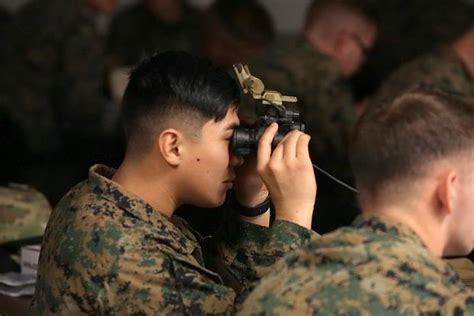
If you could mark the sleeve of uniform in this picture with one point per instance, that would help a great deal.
(260, 247)
(245, 260)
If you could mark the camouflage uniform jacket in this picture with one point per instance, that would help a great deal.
(375, 267)
(136, 32)
(442, 70)
(106, 251)
(328, 111)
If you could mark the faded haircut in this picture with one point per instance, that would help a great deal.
(174, 85)
(392, 142)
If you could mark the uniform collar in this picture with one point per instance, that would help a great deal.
(174, 232)
(383, 225)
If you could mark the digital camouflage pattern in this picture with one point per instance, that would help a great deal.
(136, 32)
(24, 213)
(465, 268)
(51, 79)
(441, 70)
(106, 251)
(328, 111)
(374, 267)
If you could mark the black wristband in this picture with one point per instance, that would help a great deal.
(250, 211)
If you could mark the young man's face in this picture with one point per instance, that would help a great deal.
(358, 42)
(209, 164)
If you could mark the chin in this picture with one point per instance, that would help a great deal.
(211, 203)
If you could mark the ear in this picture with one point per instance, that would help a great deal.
(342, 43)
(170, 145)
(446, 191)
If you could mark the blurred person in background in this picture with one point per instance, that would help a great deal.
(409, 30)
(334, 45)
(236, 31)
(51, 93)
(149, 26)
(449, 67)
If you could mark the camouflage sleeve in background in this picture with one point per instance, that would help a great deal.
(259, 248)
(441, 70)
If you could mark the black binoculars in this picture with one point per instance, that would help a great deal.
(245, 139)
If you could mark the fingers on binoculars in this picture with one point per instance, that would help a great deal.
(265, 145)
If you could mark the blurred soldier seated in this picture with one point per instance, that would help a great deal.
(336, 39)
(449, 68)
(413, 164)
(236, 31)
(152, 25)
(51, 93)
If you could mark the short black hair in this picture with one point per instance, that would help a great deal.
(393, 141)
(174, 84)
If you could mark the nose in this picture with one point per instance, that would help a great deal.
(236, 160)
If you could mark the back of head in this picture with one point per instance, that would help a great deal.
(174, 88)
(394, 144)
(237, 27)
(328, 11)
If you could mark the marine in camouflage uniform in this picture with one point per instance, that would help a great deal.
(107, 251)
(375, 267)
(51, 93)
(328, 111)
(136, 31)
(442, 70)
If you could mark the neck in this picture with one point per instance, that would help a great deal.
(464, 48)
(422, 223)
(147, 183)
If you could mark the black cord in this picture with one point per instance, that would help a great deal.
(330, 176)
